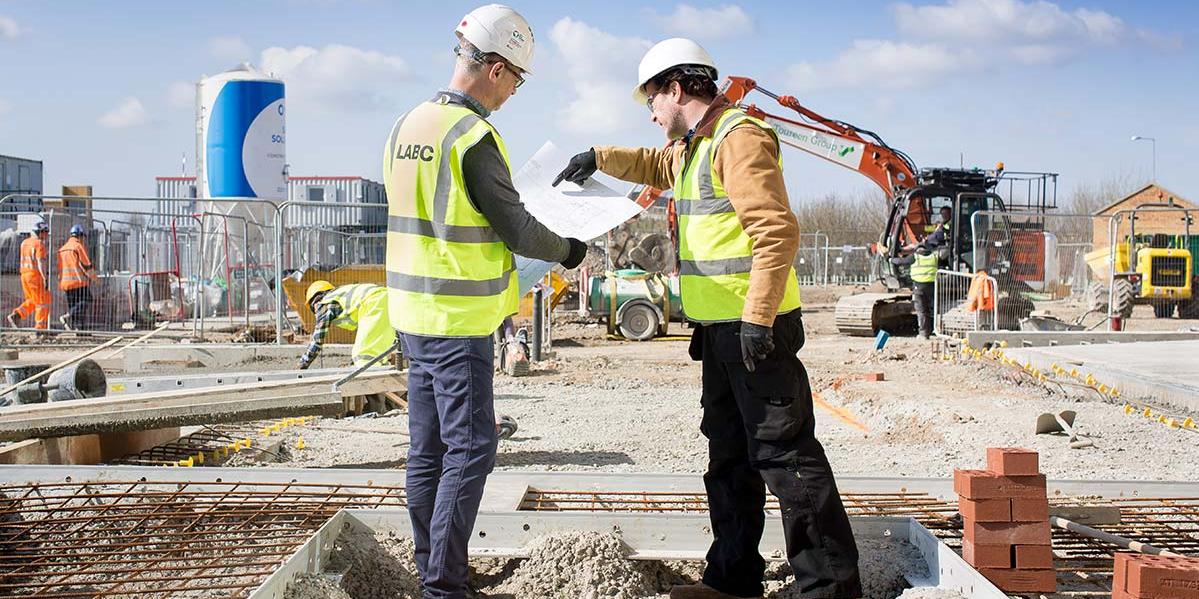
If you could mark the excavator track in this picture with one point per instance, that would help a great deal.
(865, 314)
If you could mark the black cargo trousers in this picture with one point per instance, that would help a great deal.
(761, 433)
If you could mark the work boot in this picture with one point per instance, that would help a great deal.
(14, 320)
(65, 319)
(700, 591)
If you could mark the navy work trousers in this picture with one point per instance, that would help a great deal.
(451, 420)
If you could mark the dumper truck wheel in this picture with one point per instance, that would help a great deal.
(638, 322)
(1163, 310)
(1097, 297)
(1122, 298)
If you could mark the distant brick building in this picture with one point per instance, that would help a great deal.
(1168, 221)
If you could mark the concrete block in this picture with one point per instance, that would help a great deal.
(985, 510)
(1034, 557)
(1032, 509)
(980, 484)
(1006, 533)
(1012, 461)
(988, 556)
(874, 377)
(1022, 581)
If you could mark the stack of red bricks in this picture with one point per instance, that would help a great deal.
(1139, 576)
(1005, 521)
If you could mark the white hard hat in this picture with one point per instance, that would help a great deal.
(666, 54)
(499, 29)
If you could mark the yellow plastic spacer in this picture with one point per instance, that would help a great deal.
(1103, 389)
(1074, 372)
(1162, 418)
(186, 463)
(300, 442)
(265, 431)
(1147, 413)
(1172, 423)
(1128, 409)
(200, 457)
(1115, 392)
(1188, 423)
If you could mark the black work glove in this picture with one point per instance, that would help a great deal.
(757, 342)
(304, 365)
(578, 251)
(580, 167)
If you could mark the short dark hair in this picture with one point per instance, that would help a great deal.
(473, 58)
(695, 80)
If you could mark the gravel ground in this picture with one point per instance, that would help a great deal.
(634, 407)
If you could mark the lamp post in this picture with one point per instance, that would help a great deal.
(1153, 141)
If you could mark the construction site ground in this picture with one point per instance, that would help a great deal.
(620, 406)
(606, 405)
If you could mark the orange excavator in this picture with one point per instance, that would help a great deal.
(913, 197)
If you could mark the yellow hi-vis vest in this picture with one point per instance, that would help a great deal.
(924, 269)
(715, 254)
(351, 299)
(448, 273)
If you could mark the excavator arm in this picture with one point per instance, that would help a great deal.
(836, 141)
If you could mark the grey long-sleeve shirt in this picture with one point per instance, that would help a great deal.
(489, 187)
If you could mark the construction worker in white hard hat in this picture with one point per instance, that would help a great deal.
(360, 307)
(454, 222)
(737, 242)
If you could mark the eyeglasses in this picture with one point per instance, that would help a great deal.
(519, 80)
(649, 101)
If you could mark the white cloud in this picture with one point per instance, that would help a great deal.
(1159, 41)
(336, 77)
(720, 22)
(1014, 21)
(882, 64)
(230, 49)
(602, 69)
(129, 113)
(8, 28)
(181, 94)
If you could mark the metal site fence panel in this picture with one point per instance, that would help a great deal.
(1040, 262)
(850, 265)
(811, 264)
(340, 242)
(200, 263)
(954, 314)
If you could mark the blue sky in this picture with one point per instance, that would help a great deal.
(101, 91)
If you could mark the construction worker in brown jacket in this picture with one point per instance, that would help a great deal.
(737, 241)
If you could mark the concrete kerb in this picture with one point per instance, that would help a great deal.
(1018, 339)
(1158, 371)
(213, 355)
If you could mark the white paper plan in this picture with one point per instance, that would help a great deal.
(569, 210)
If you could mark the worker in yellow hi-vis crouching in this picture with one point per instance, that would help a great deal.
(360, 307)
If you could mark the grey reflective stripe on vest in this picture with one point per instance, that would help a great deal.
(706, 205)
(437, 228)
(459, 233)
(713, 268)
(708, 202)
(438, 286)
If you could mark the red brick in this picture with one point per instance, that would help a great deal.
(980, 484)
(874, 377)
(1022, 581)
(1012, 461)
(1034, 557)
(1033, 509)
(1006, 533)
(1120, 571)
(1161, 577)
(985, 510)
(988, 556)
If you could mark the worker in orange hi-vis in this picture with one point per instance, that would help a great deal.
(75, 268)
(34, 280)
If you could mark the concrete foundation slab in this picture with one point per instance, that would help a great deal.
(1052, 338)
(1159, 371)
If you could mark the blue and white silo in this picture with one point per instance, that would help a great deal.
(241, 137)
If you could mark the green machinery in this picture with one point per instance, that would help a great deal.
(637, 304)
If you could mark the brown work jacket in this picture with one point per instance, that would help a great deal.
(747, 162)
